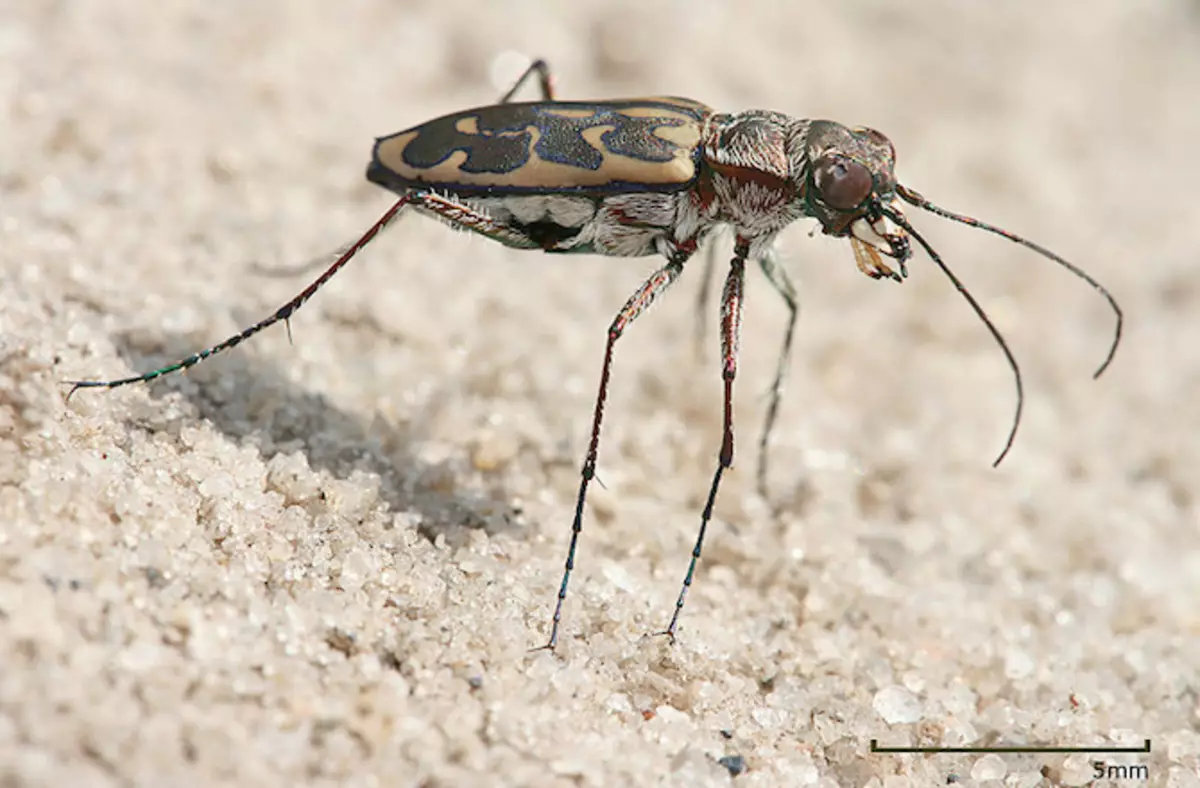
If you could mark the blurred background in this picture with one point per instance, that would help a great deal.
(394, 488)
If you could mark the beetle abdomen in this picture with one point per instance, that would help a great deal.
(548, 147)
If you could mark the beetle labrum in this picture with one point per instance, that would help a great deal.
(653, 176)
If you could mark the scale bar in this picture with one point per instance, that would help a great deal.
(1013, 749)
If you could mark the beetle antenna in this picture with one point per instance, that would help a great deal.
(1012, 361)
(918, 200)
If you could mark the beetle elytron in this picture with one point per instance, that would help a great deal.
(653, 176)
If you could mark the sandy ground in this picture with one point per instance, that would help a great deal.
(325, 563)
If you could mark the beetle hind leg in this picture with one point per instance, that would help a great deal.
(545, 81)
(461, 214)
(282, 314)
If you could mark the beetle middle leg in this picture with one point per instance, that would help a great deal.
(731, 327)
(641, 300)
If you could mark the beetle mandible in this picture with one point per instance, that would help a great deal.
(654, 176)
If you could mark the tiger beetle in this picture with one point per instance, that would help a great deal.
(651, 176)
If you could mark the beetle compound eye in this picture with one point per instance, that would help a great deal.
(843, 184)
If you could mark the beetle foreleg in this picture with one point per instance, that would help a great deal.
(731, 326)
(777, 275)
(638, 303)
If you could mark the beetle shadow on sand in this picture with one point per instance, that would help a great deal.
(250, 401)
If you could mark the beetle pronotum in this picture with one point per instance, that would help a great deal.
(653, 176)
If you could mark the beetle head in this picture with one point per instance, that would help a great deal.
(849, 181)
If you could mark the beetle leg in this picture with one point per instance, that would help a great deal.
(545, 81)
(731, 326)
(455, 213)
(645, 295)
(283, 313)
(777, 275)
(461, 216)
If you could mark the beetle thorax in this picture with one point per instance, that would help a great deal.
(749, 174)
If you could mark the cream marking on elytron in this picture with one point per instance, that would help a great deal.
(654, 176)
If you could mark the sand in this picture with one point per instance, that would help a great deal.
(326, 562)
